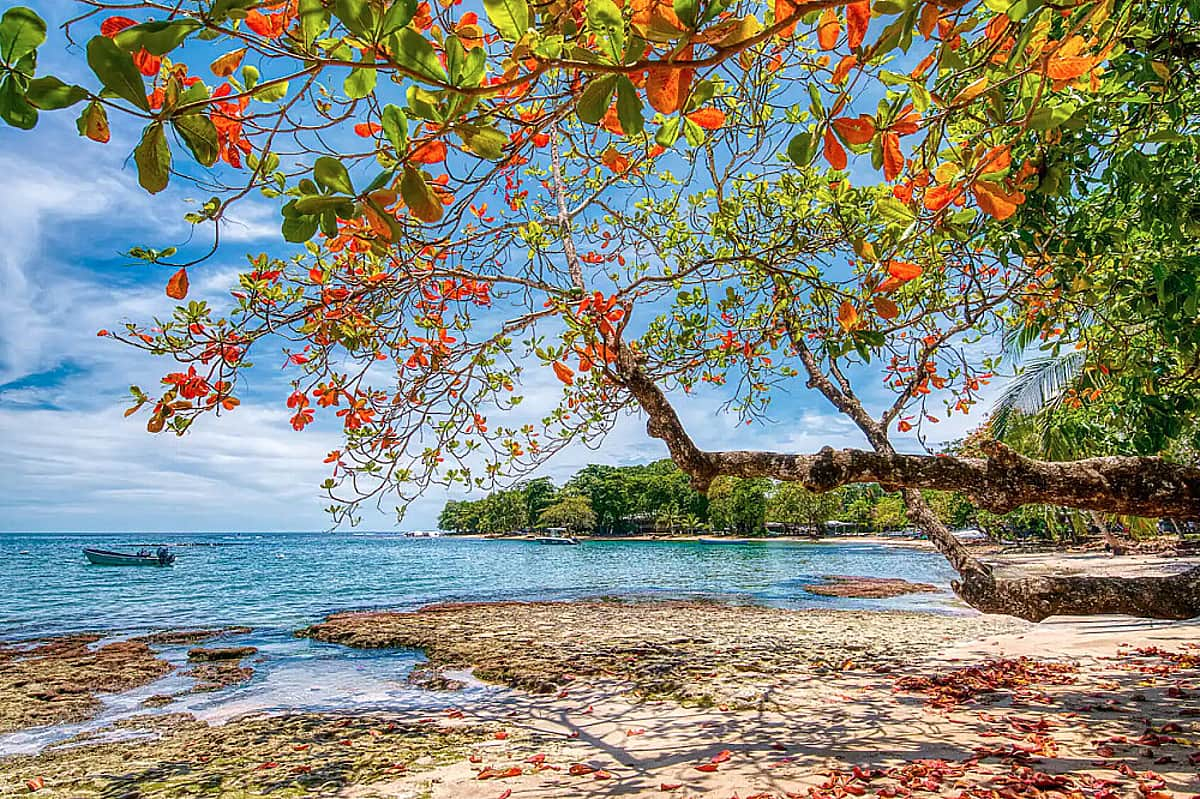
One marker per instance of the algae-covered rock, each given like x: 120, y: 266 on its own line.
x: 205, y: 654
x: 695, y: 652
x: 56, y: 680
x: 258, y: 756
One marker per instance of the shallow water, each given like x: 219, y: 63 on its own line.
x: 279, y: 582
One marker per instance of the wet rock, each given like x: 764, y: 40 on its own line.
x: 190, y: 636
x: 693, y: 652
x: 841, y: 585
x: 207, y: 654
x: 56, y: 680
x: 218, y: 675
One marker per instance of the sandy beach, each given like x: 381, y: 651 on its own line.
x: 694, y: 700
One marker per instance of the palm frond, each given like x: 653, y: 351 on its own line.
x: 1038, y: 386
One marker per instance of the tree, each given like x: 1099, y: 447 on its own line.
x: 738, y: 505
x: 793, y: 505
x: 888, y: 513
x: 571, y: 511
x: 539, y: 494
x: 474, y: 199
x: 502, y: 513
x: 608, y: 493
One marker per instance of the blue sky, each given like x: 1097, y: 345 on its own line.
x: 72, y: 463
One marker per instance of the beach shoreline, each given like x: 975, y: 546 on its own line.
x: 630, y: 696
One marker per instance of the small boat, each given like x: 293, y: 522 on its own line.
x: 556, y: 536
x: 104, y: 557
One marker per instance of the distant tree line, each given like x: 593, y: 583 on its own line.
x: 658, y: 497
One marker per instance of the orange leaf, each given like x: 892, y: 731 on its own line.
x: 893, y: 157
x: 224, y: 66
x: 565, y: 374
x: 721, y: 757
x: 430, y: 152
x: 929, y: 18
x: 670, y: 786
x: 828, y: 29
x: 993, y: 200
x: 367, y: 129
x: 843, y: 69
x: 997, y: 159
x: 708, y: 118
x: 938, y: 197
x: 847, y: 316
x: 177, y: 286
x: 667, y: 87
x: 1068, y: 68
x: 579, y: 769
x: 708, y: 767
x: 886, y: 308
x: 615, y: 160
x: 971, y: 91
x: 835, y: 154
x: 855, y: 131
x: 784, y: 9
x: 858, y: 17
x: 903, y: 270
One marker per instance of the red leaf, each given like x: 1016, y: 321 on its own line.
x: 721, y: 757
x: 938, y: 197
x: 367, y: 129
x: 835, y: 154
x: 708, y: 118
x: 893, y: 157
x: 114, y: 25
x: 707, y: 767
x: 859, y: 130
x: 858, y: 17
x: 579, y: 769
x: 177, y: 286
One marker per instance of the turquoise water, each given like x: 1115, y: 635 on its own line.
x: 279, y: 582
x: 283, y: 581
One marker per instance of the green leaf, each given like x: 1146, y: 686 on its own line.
x: 50, y: 94
x: 14, y: 108
x: 509, y: 17
x: 399, y: 14
x: 272, y: 93
x: 486, y: 142
x: 319, y: 204
x: 114, y: 67
x: 158, y: 38
x: 419, y: 198
x: 1022, y: 8
x: 153, y: 158
x: 360, y: 82
x: 414, y: 52
x: 693, y: 133
x: 331, y: 175
x: 604, y: 19
x: 800, y: 149
x: 395, y: 127
x: 668, y: 133
x: 299, y: 229
x: 21, y: 32
x: 894, y: 211
x: 199, y: 134
x: 629, y: 107
x: 357, y: 16
x: 314, y: 20
x: 1048, y: 118
x: 595, y: 99
x: 686, y: 11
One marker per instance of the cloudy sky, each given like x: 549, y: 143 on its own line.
x: 73, y: 463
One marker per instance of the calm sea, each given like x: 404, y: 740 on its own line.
x: 287, y: 580
x: 279, y: 582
